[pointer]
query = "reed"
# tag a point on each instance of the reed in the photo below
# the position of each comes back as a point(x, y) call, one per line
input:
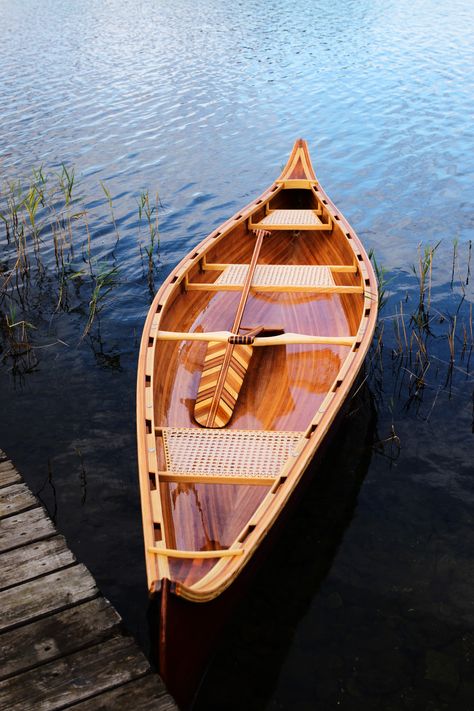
point(427, 345)
point(103, 283)
point(382, 281)
point(66, 179)
point(455, 252)
point(108, 195)
point(148, 212)
point(451, 335)
point(423, 271)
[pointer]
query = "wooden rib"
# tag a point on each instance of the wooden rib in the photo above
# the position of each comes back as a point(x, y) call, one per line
point(174, 553)
point(225, 366)
point(338, 289)
point(285, 339)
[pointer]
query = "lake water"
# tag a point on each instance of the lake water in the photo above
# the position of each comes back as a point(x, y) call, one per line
point(201, 102)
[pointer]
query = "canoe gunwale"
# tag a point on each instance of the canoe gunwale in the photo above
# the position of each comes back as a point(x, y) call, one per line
point(249, 538)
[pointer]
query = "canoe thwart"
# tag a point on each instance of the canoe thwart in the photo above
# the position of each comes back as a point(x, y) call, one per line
point(303, 289)
point(298, 184)
point(174, 553)
point(285, 339)
point(245, 339)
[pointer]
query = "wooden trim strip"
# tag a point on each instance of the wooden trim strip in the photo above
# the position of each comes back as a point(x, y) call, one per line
point(344, 268)
point(284, 339)
point(196, 286)
point(216, 479)
point(290, 227)
point(174, 553)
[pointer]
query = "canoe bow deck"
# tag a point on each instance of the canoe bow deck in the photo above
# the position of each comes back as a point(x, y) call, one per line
point(209, 496)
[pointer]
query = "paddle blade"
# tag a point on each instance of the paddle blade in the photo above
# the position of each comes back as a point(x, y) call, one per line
point(224, 370)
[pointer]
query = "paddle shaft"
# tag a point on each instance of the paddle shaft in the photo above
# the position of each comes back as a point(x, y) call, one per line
point(235, 327)
point(248, 282)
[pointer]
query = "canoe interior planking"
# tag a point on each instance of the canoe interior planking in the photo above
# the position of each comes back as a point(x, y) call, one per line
point(313, 279)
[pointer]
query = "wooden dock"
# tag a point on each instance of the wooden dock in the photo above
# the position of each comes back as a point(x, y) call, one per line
point(61, 642)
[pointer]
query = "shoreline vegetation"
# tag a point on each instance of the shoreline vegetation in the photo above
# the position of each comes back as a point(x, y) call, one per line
point(52, 263)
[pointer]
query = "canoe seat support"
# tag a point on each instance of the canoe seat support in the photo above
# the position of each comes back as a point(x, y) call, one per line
point(228, 453)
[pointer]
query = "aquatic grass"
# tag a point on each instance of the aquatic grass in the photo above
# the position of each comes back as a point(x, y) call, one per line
point(49, 253)
point(426, 344)
point(149, 213)
point(66, 180)
point(104, 282)
point(423, 272)
point(455, 251)
point(468, 261)
point(111, 207)
point(382, 281)
point(451, 335)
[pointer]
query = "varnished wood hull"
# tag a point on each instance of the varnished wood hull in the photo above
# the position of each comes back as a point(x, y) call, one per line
point(210, 497)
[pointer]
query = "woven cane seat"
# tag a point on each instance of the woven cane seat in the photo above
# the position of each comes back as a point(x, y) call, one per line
point(301, 218)
point(278, 275)
point(252, 453)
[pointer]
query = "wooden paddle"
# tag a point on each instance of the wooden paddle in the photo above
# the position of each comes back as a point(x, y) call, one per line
point(225, 364)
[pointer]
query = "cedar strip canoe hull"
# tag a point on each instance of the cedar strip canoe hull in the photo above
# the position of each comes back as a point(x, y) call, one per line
point(210, 498)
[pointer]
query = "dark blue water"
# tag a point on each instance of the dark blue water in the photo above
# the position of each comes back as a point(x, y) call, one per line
point(201, 102)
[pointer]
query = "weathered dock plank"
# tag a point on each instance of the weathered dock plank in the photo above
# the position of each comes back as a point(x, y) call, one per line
point(23, 528)
point(62, 644)
point(34, 559)
point(8, 474)
point(146, 694)
point(54, 636)
point(16, 498)
point(75, 677)
point(40, 597)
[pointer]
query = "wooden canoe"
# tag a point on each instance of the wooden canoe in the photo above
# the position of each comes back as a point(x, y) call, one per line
point(228, 423)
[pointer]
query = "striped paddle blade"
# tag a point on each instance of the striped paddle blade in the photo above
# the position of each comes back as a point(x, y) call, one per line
point(222, 376)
